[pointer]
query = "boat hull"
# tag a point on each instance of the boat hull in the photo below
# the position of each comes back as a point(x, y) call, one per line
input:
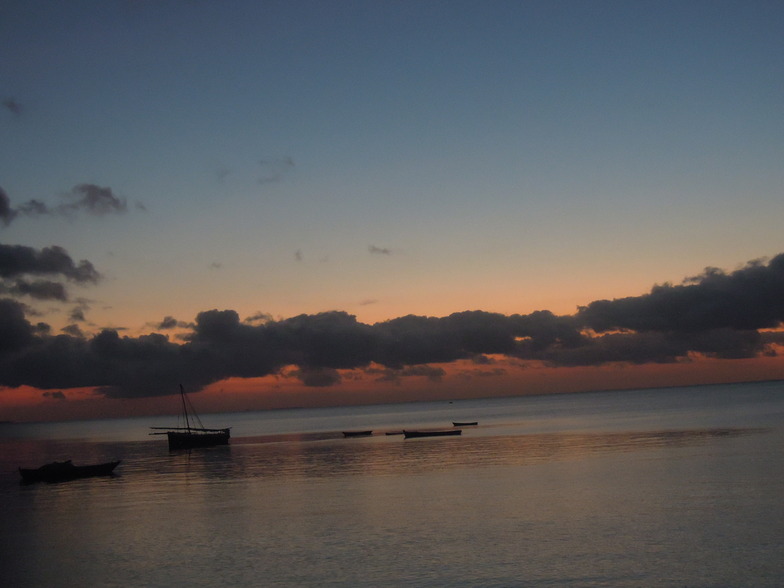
point(464, 424)
point(357, 433)
point(64, 471)
point(188, 437)
point(416, 434)
point(190, 440)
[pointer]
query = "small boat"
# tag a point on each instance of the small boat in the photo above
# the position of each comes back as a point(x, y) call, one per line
point(414, 434)
point(63, 471)
point(189, 436)
point(394, 433)
point(464, 424)
point(357, 433)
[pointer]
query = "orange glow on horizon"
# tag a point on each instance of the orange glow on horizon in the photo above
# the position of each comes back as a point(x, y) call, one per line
point(501, 376)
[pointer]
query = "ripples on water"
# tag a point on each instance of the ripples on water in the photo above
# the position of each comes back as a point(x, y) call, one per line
point(319, 455)
point(609, 490)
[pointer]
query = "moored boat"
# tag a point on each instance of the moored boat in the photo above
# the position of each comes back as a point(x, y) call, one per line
point(447, 433)
point(357, 433)
point(63, 471)
point(197, 437)
point(464, 424)
point(189, 436)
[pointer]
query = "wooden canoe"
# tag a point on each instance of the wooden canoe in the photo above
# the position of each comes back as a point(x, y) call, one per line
point(63, 471)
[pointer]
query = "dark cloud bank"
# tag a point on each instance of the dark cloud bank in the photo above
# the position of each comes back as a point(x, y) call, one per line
point(716, 314)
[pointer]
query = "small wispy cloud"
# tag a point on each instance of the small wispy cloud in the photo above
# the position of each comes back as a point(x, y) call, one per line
point(78, 312)
point(274, 170)
point(89, 199)
point(169, 322)
point(258, 318)
point(13, 106)
point(93, 199)
point(374, 250)
point(222, 173)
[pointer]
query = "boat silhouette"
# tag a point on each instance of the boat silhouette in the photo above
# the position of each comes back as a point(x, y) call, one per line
point(190, 436)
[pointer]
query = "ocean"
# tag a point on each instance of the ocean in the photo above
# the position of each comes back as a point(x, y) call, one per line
point(664, 487)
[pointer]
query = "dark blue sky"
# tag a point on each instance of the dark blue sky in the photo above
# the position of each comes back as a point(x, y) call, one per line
point(387, 158)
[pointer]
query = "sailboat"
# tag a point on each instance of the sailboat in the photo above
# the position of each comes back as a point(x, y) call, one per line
point(190, 435)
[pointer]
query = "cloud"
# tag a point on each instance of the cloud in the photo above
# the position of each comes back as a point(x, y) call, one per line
point(83, 198)
point(73, 330)
point(77, 314)
point(33, 273)
point(379, 250)
point(20, 260)
point(33, 208)
point(12, 106)
point(16, 333)
point(274, 170)
point(222, 173)
point(7, 214)
point(259, 317)
point(434, 374)
point(318, 377)
point(749, 298)
point(671, 323)
point(168, 322)
point(59, 395)
point(37, 289)
point(93, 199)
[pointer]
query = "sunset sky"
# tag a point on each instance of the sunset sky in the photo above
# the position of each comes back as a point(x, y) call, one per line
point(270, 186)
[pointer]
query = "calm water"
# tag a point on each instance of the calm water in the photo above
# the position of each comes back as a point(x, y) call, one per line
point(676, 487)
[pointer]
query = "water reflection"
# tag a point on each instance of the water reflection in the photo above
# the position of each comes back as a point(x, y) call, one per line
point(317, 509)
point(329, 454)
point(380, 456)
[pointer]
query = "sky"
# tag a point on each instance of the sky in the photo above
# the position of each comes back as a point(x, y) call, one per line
point(311, 203)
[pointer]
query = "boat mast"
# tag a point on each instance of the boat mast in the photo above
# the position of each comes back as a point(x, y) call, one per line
point(185, 409)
